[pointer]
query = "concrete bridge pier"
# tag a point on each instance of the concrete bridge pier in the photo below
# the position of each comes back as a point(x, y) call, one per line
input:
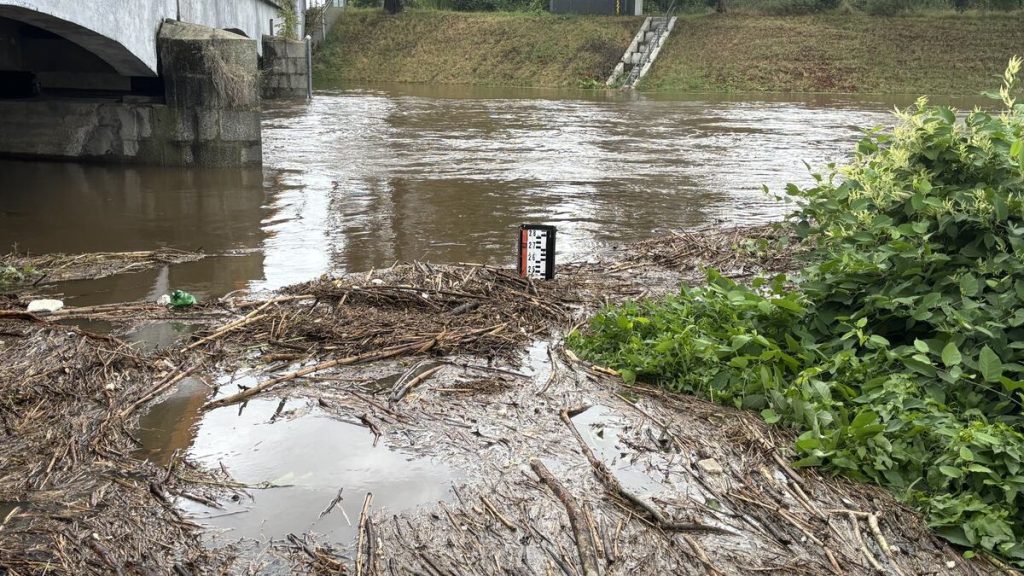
point(212, 94)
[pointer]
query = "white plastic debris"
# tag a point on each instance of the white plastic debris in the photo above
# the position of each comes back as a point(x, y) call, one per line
point(710, 466)
point(376, 282)
point(164, 300)
point(714, 475)
point(45, 306)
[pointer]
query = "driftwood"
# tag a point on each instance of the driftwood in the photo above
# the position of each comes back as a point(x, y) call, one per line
point(615, 487)
point(578, 522)
point(250, 392)
point(162, 386)
point(411, 379)
point(365, 544)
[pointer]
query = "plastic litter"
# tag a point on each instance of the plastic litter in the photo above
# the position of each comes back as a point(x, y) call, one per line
point(164, 300)
point(182, 299)
point(45, 306)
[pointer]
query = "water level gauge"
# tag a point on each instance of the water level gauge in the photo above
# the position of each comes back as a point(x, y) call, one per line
point(537, 251)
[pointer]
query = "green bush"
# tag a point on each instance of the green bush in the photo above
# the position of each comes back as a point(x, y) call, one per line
point(795, 7)
point(885, 7)
point(900, 357)
point(1003, 5)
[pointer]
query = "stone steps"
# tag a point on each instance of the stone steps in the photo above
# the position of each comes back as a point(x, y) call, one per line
point(642, 51)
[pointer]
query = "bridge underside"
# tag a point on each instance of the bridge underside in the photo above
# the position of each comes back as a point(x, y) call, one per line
point(62, 58)
point(60, 100)
point(137, 82)
point(29, 36)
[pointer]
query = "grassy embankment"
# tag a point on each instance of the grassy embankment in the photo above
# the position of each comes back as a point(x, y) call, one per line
point(832, 52)
point(838, 52)
point(493, 49)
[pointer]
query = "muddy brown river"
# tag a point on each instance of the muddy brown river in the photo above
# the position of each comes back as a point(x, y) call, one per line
point(362, 178)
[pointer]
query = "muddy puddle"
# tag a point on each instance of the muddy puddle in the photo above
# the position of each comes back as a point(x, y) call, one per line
point(295, 459)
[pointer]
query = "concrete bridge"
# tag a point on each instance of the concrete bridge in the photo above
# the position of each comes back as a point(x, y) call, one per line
point(106, 75)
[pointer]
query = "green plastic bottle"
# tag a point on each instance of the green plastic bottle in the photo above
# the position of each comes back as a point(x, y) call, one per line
point(182, 299)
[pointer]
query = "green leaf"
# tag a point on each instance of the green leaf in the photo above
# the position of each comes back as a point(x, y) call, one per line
point(770, 416)
point(921, 346)
point(951, 471)
point(989, 365)
point(966, 454)
point(864, 418)
point(951, 355)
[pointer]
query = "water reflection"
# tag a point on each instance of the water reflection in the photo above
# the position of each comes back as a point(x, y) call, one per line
point(76, 208)
point(310, 457)
point(394, 174)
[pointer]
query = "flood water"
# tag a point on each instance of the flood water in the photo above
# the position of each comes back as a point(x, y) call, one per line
point(361, 178)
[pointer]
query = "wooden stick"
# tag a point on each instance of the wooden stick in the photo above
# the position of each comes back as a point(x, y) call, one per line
point(11, 514)
point(160, 388)
point(252, 317)
point(580, 528)
point(403, 386)
point(494, 510)
point(333, 503)
point(362, 531)
point(702, 556)
point(864, 547)
point(348, 360)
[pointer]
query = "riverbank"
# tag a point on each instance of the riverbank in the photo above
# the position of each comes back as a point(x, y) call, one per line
point(496, 49)
point(942, 54)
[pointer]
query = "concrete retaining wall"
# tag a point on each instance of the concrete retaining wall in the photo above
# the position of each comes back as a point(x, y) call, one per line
point(284, 68)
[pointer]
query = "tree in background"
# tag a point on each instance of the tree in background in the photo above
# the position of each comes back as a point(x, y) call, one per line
point(393, 6)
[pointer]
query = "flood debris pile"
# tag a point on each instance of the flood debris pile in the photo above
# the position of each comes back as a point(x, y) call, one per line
point(22, 270)
point(409, 310)
point(72, 497)
point(566, 469)
point(569, 470)
point(739, 253)
point(574, 473)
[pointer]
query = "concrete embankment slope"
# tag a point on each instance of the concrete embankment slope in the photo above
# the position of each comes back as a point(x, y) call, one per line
point(946, 54)
point(497, 49)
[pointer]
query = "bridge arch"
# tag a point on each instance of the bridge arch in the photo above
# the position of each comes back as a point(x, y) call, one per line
point(96, 31)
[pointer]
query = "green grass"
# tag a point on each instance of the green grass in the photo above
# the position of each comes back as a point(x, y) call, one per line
point(840, 51)
point(940, 53)
point(496, 49)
